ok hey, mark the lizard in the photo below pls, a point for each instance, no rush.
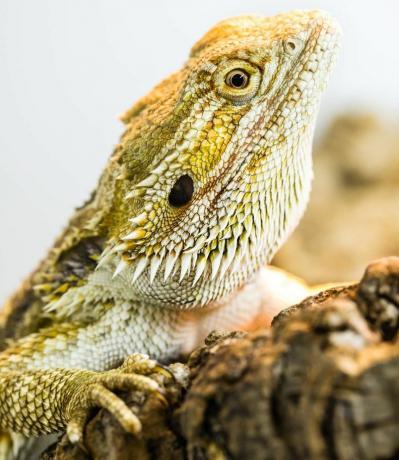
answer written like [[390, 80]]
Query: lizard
[[210, 176]]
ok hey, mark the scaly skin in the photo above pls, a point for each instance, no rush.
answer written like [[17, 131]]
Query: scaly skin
[[144, 269]]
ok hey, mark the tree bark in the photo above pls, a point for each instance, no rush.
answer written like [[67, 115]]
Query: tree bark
[[320, 384]]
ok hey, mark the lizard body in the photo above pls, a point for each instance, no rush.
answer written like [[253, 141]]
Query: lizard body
[[211, 175]]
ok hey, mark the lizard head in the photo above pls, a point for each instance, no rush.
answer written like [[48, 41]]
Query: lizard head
[[214, 168]]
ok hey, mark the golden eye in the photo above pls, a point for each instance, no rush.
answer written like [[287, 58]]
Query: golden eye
[[237, 79]]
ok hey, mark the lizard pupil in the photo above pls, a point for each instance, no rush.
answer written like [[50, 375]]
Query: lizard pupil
[[237, 79], [182, 191]]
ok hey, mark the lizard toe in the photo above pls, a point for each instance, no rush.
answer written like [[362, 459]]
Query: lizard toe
[[139, 363], [115, 381], [101, 396]]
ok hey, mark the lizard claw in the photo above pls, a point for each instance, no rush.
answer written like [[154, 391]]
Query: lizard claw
[[76, 426], [165, 371]]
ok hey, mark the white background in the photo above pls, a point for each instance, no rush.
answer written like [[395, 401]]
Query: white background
[[68, 68]]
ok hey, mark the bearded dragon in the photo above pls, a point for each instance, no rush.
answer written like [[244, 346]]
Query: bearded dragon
[[211, 175]]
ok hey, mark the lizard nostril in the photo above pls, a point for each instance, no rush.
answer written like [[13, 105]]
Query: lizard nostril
[[182, 191]]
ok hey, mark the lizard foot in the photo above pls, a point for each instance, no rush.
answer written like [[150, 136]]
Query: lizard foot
[[99, 392]]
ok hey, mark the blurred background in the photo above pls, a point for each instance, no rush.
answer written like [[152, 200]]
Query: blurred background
[[68, 68]]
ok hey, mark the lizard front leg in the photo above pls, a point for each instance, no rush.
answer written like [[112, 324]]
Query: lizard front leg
[[44, 402], [51, 380]]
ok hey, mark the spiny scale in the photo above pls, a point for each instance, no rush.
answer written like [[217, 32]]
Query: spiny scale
[[200, 267], [185, 265], [140, 220], [141, 265], [137, 234], [135, 193], [120, 267], [170, 263], [216, 249], [156, 261], [216, 258]]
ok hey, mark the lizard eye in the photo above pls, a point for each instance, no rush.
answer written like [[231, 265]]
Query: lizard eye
[[237, 80], [182, 191]]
